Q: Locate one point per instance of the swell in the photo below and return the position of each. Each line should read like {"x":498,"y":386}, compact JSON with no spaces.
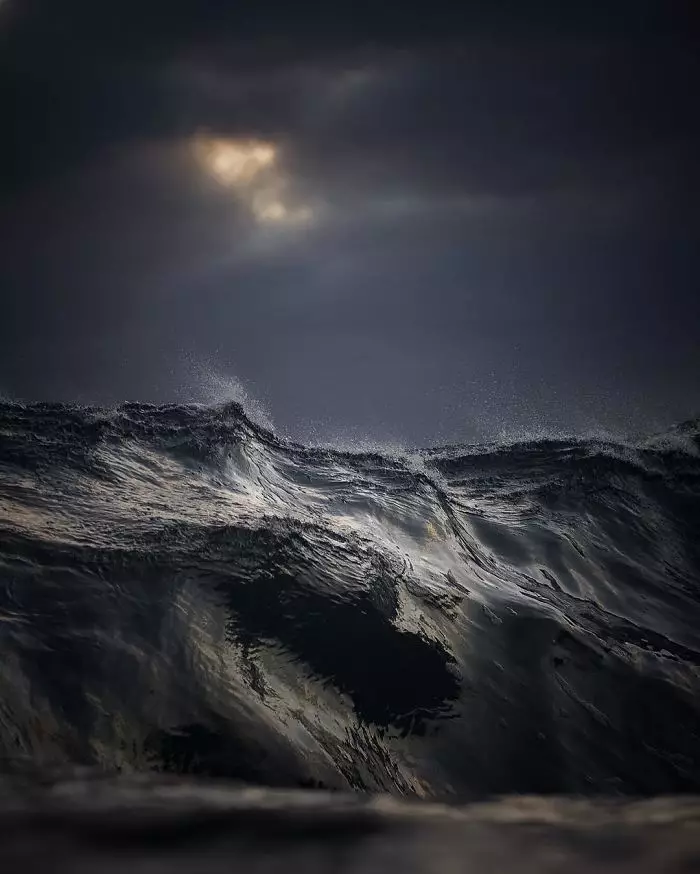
{"x":182,"y":590}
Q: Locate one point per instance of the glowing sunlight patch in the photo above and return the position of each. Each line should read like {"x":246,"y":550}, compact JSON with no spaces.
{"x":234,"y":162}
{"x":252,"y":169}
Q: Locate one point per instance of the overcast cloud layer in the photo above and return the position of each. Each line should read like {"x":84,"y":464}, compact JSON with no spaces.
{"x":499,"y":215}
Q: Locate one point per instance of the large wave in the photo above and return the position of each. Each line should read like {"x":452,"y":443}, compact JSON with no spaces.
{"x":181,"y":590}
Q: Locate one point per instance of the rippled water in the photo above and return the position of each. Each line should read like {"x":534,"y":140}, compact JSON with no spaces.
{"x":182,"y":590}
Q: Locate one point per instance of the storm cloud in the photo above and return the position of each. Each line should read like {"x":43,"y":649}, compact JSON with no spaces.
{"x":498,"y":227}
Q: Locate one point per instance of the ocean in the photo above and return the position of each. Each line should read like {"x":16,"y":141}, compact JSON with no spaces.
{"x":182,"y":592}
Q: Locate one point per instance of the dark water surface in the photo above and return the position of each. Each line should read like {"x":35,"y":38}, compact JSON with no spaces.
{"x":181,"y":590}
{"x":150,"y":825}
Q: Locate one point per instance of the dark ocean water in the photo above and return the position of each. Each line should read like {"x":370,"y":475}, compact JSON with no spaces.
{"x":182,"y":591}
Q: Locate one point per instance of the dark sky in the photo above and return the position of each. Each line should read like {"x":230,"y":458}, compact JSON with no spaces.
{"x":463,"y":220}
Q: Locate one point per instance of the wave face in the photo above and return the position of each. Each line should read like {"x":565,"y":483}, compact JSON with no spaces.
{"x":180,"y":590}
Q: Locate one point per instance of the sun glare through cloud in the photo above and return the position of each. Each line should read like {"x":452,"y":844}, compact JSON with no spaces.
{"x":251,"y":168}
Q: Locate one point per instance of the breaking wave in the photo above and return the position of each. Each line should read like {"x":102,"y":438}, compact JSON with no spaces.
{"x":181,"y":590}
